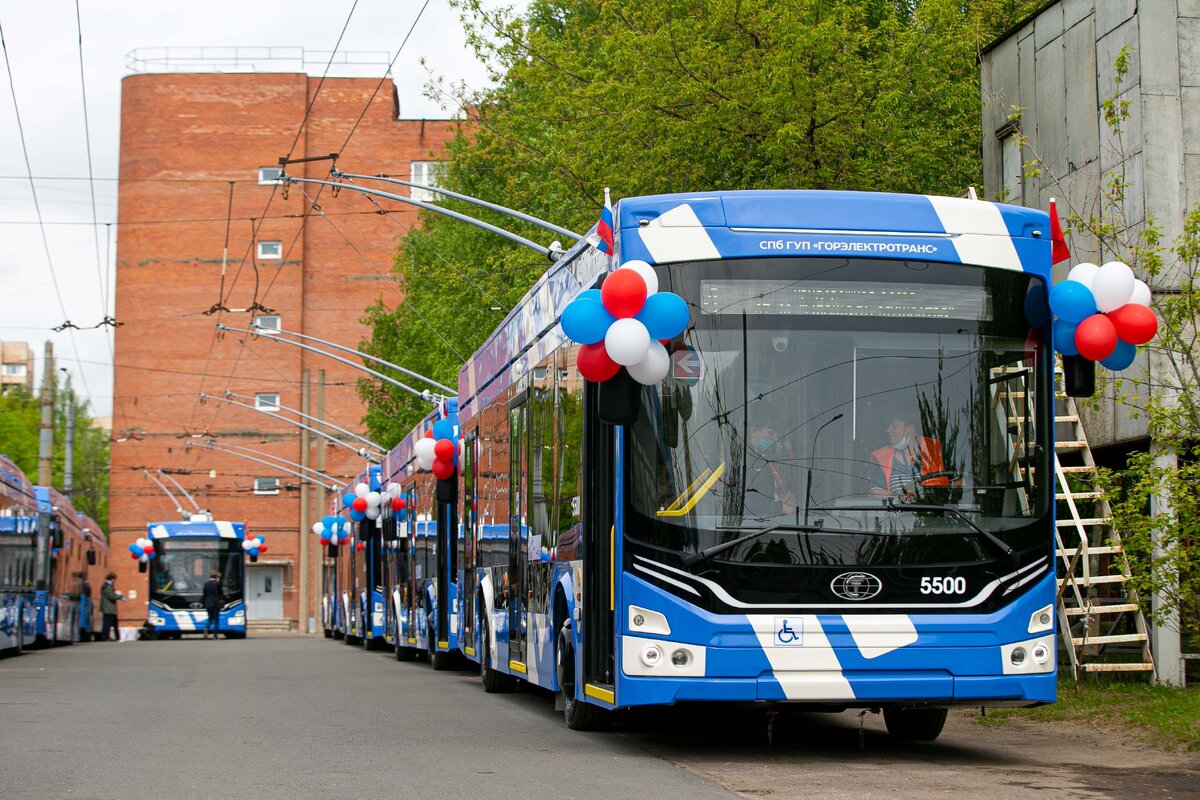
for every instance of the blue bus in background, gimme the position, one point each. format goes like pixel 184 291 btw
pixel 185 553
pixel 18 541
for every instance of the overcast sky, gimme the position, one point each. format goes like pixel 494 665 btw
pixel 42 44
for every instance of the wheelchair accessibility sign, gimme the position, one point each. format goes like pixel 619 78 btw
pixel 789 631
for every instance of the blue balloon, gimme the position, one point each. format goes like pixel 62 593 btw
pixel 585 320
pixel 348 499
pixel 254 552
pixel 1064 338
pixel 358 516
pixel 1121 358
pixel 1037 308
pixel 1072 301
pixel 402 514
pixel 443 429
pixel 665 315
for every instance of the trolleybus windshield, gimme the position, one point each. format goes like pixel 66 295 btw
pixel 875 412
pixel 183 564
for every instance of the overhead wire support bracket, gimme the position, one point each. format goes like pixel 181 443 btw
pixel 426 395
pixel 309 418
pixel 551 254
pixel 541 223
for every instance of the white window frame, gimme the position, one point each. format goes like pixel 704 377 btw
pixel 267 329
pixel 263 404
pixel 262 487
pixel 269 176
pixel 427 173
pixel 14 370
pixel 270 249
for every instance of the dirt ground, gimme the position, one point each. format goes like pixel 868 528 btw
pixel 824 756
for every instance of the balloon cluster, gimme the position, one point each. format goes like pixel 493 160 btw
pixel 438 449
pixel 1103 314
pixel 397 501
pixel 142 550
pixel 363 502
pixel 624 323
pixel 332 530
pixel 254 545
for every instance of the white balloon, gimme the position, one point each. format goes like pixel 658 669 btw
pixel 424 449
pixel 144 559
pixel 424 463
pixel 1112 286
pixel 373 512
pixel 361 489
pixel 374 499
pixel 627 341
pixel 1083 273
pixel 1141 294
pixel 646 271
pixel 346 528
pixel 653 368
pixel 317 528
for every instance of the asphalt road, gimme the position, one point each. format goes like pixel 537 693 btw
pixel 297 718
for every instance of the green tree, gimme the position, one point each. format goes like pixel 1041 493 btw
pixel 680 95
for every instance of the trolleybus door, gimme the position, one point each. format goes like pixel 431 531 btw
pixel 599 571
pixel 466 594
pixel 518 530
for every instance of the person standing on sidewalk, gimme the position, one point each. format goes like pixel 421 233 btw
pixel 108 607
pixel 212 602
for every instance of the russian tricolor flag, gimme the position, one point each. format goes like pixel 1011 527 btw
pixel 604 229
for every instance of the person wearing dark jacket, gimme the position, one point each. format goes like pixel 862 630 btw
pixel 108 607
pixel 212 602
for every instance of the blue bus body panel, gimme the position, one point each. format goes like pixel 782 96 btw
pixel 176 528
pixel 165 620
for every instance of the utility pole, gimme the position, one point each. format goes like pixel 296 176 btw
pixel 303 621
pixel 41 558
pixel 69 455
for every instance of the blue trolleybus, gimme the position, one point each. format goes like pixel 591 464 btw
pixel 18 542
pixel 185 553
pixel 840 496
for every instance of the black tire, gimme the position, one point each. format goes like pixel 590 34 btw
pixel 494 681
pixel 336 634
pixel 439 660
pixel 915 724
pixel 328 633
pixel 235 635
pixel 580 716
pixel 371 643
pixel 406 653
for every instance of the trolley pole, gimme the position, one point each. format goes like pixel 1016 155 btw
pixel 69 453
pixel 302 611
pixel 41 558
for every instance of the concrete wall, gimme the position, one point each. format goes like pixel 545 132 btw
pixel 1056 71
pixel 186 141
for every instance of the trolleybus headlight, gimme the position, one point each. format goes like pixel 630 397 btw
pixel 681 658
pixel 1017 657
pixel 651 655
pixel 1040 653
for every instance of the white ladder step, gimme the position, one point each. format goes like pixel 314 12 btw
pixel 1098 550
pixel 1077 470
pixel 1094 580
pixel 1127 667
pixel 1084 521
pixel 1118 608
pixel 1079 496
pixel 1067 418
pixel 1066 446
pixel 1112 639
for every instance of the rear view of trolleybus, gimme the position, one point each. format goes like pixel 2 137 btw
pixel 185 554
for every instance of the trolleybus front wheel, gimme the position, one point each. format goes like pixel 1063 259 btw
pixel 915 724
pixel 580 716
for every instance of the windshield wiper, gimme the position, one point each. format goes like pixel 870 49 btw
pixel 709 552
pixel 890 504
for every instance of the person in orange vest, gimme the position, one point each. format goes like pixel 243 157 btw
pixel 901 463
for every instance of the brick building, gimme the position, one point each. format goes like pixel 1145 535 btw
pixel 205 235
pixel 16 365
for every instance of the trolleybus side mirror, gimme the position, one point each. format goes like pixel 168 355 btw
pixel 447 490
pixel 619 399
pixel 91 558
pixel 1079 376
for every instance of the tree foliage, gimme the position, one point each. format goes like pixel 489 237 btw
pixel 675 96
pixel 20 426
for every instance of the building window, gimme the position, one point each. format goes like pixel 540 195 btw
pixel 266 485
pixel 14 370
pixel 266 323
pixel 268 176
pixel 270 249
pixel 427 173
pixel 267 401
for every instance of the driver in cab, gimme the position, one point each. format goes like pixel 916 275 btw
pixel 902 465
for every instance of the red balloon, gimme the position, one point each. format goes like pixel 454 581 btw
pixel 262 548
pixel 359 504
pixel 623 293
pixel 443 469
pixel 397 504
pixel 134 556
pixel 1135 323
pixel 429 434
pixel 1096 337
pixel 444 449
pixel 594 363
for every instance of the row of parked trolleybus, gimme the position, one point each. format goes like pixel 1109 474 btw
pixel 839 497
pixel 53 560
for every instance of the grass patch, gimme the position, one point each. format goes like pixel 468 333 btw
pixel 1162 715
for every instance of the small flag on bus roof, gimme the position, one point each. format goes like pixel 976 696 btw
pixel 1058 243
pixel 604 229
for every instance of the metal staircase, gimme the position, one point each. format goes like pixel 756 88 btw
pixel 1099 619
